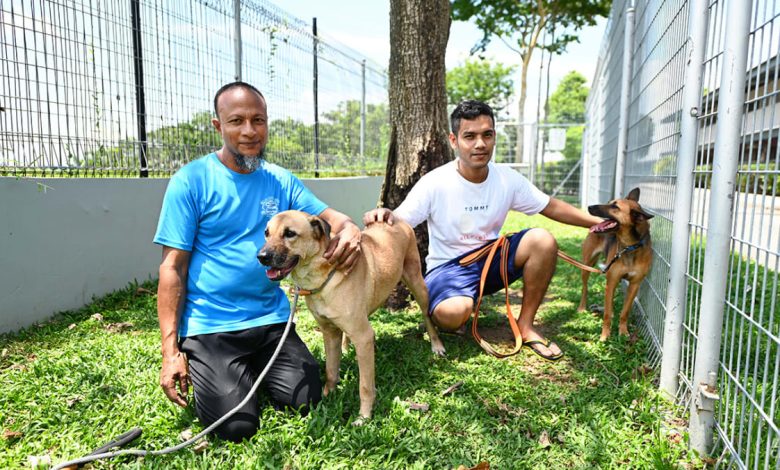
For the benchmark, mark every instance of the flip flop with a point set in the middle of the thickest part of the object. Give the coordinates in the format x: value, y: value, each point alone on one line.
x: 546, y: 343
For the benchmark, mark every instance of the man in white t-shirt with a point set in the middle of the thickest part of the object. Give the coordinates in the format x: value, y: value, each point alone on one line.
x: 465, y: 203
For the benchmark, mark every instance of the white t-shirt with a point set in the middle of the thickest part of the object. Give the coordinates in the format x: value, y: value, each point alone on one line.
x: 463, y: 215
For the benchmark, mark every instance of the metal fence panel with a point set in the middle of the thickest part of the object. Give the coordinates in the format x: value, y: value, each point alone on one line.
x: 747, y: 422
x: 71, y: 72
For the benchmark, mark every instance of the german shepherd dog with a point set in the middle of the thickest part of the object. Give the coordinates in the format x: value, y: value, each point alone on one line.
x: 624, y: 238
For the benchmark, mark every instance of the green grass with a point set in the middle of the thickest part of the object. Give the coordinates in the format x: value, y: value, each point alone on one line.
x: 73, y: 383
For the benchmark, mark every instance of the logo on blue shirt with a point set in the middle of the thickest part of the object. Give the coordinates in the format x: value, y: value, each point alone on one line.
x: 269, y: 206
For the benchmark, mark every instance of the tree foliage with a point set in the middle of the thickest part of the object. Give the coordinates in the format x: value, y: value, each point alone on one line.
x: 521, y: 24
x: 290, y: 142
x: 567, y: 105
x: 479, y: 79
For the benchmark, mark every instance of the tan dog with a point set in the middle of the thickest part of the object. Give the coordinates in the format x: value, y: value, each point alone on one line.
x: 624, y: 238
x: 341, y: 304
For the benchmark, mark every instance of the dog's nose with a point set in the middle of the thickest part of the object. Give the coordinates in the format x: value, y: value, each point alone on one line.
x: 264, y: 257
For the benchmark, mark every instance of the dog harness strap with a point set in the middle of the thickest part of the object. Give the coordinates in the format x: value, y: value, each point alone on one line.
x: 622, y: 252
x: 489, y: 250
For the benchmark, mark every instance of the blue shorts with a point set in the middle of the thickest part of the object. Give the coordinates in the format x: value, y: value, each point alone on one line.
x: 453, y: 280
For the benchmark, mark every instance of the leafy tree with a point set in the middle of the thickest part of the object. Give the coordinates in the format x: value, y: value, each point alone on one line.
x: 567, y: 105
x: 522, y: 23
x: 481, y: 80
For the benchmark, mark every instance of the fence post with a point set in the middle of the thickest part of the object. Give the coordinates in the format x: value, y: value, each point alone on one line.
x: 731, y: 103
x: 316, y: 103
x: 625, y: 104
x: 363, y: 118
x: 687, y: 151
x: 237, y: 38
x: 140, y: 100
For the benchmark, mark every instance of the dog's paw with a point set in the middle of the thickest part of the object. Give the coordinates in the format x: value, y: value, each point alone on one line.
x: 438, y: 349
x: 360, y: 421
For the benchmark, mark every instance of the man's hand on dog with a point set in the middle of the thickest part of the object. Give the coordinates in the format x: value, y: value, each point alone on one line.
x: 344, y: 247
x: 174, y: 372
x: 381, y: 214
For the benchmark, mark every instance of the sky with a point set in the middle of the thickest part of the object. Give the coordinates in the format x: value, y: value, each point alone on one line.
x: 364, y: 26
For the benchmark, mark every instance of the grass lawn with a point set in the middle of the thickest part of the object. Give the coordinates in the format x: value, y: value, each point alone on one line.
x: 73, y: 383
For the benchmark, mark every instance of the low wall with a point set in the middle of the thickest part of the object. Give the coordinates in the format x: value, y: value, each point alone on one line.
x: 64, y: 241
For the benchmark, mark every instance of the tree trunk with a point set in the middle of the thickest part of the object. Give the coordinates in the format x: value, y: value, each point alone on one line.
x: 419, y: 30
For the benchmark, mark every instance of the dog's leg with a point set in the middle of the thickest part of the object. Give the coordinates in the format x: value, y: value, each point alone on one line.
x: 362, y: 336
x: 412, y: 278
x: 332, y: 338
x: 609, y: 297
x: 633, y: 288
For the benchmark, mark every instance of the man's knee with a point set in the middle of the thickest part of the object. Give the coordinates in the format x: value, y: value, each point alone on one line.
x: 537, y: 242
x: 238, y: 427
x: 452, y: 313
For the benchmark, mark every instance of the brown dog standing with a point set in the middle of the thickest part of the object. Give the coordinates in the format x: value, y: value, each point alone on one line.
x: 624, y: 238
x: 341, y: 304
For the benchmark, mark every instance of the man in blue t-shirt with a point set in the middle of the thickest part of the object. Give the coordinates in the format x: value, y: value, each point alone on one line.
x: 220, y: 316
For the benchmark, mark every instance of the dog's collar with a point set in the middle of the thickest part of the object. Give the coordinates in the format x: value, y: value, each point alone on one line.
x: 625, y: 250
x: 322, y: 286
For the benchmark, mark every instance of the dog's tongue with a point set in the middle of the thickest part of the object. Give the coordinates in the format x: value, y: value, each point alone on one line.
x: 603, y: 226
x: 274, y: 274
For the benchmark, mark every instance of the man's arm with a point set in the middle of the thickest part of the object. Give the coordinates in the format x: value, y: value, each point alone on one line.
x: 564, y: 212
x: 171, y: 292
x: 344, y: 246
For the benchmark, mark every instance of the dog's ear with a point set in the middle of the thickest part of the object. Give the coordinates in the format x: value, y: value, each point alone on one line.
x: 638, y: 215
x: 633, y: 195
x: 320, y: 228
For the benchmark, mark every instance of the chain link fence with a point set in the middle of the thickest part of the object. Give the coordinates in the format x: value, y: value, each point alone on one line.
x: 125, y: 87
x: 696, y: 85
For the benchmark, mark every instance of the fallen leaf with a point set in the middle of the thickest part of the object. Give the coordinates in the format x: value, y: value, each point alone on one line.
x: 4, y: 353
x: 39, y: 461
x: 8, y: 434
x: 71, y: 326
x: 118, y: 327
x: 200, y: 447
x: 633, y: 338
x: 418, y: 406
x: 72, y: 401
x: 593, y: 381
x: 142, y: 290
x: 452, y: 388
x: 97, y: 317
x: 544, y: 440
x: 675, y: 437
x: 185, y: 435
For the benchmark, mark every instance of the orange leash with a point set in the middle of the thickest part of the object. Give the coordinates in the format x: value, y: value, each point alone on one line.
x: 490, y: 250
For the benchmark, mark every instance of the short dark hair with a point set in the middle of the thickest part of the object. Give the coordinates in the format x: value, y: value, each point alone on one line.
x: 230, y: 86
x: 469, y: 109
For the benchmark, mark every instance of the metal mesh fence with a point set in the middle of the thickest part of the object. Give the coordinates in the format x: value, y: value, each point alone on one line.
x: 114, y: 88
x: 746, y: 357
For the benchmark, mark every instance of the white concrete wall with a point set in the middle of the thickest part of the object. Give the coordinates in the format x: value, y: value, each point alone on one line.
x: 63, y: 241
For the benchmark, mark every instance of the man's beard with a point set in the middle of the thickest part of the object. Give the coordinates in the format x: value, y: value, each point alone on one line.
x: 248, y: 163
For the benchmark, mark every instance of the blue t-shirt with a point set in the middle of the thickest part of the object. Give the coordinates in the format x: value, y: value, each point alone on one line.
x: 220, y: 217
